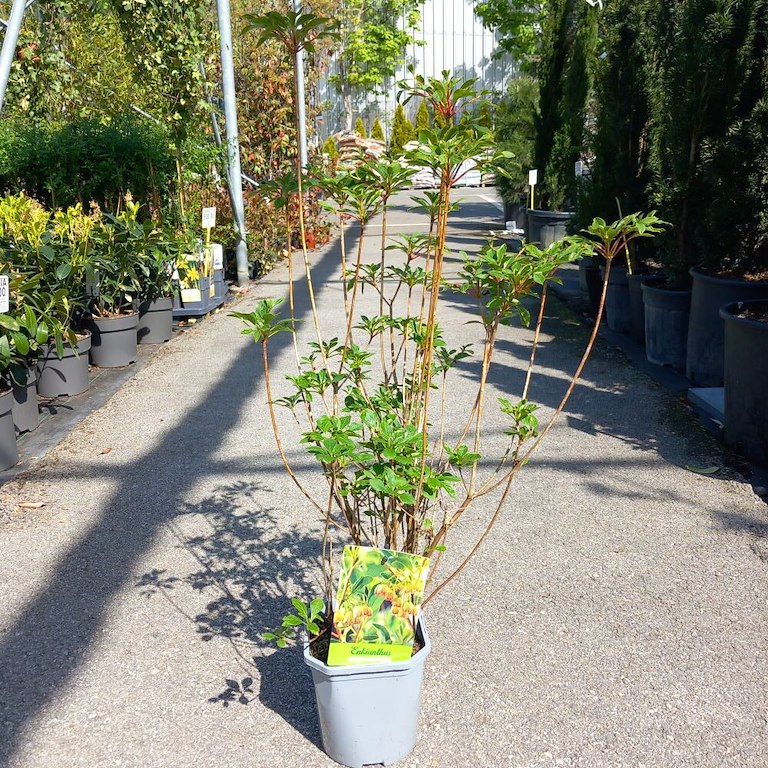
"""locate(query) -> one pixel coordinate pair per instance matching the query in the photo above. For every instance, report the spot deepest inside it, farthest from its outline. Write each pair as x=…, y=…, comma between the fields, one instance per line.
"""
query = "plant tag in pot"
x=217, y=250
x=5, y=296
x=377, y=606
x=92, y=283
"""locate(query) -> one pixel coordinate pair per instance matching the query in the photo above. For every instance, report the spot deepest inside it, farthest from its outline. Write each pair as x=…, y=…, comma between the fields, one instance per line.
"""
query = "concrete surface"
x=617, y=616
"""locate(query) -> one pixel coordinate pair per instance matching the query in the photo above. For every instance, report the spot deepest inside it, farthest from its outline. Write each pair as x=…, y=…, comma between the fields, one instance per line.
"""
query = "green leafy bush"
x=515, y=133
x=83, y=160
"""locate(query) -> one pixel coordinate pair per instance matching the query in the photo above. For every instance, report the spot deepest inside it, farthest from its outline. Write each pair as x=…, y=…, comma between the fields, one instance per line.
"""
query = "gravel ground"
x=617, y=617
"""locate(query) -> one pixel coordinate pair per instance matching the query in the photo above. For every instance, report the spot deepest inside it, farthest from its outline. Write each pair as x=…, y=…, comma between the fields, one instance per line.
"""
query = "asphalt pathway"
x=617, y=617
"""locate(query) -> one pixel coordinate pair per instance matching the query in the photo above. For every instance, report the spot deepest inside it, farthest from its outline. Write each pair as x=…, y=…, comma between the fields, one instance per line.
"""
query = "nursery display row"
x=79, y=287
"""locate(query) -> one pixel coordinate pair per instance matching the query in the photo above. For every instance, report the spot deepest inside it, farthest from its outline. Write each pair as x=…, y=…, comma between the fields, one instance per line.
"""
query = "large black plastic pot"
x=704, y=355
x=26, y=415
x=66, y=376
x=666, y=323
x=155, y=321
x=637, y=306
x=746, y=379
x=546, y=227
x=618, y=314
x=9, y=453
x=113, y=340
x=590, y=282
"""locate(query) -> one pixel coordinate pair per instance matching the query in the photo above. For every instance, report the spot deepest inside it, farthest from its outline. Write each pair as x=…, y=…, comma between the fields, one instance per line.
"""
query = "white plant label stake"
x=209, y=218
x=533, y=180
x=5, y=297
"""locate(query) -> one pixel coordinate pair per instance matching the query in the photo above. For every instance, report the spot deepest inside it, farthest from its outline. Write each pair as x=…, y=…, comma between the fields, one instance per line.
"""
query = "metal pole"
x=233, y=145
x=9, y=45
x=300, y=99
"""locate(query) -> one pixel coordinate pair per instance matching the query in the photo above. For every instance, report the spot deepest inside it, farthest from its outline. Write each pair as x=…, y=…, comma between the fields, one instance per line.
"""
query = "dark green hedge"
x=83, y=160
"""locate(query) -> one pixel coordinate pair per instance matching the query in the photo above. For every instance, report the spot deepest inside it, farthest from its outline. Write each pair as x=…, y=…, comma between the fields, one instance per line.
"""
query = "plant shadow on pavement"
x=46, y=646
x=249, y=567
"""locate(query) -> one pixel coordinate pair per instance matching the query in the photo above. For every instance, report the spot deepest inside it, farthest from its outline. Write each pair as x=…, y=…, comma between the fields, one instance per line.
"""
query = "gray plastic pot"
x=155, y=321
x=666, y=324
x=546, y=227
x=369, y=714
x=9, y=453
x=706, y=336
x=113, y=340
x=26, y=415
x=618, y=313
x=746, y=378
x=66, y=376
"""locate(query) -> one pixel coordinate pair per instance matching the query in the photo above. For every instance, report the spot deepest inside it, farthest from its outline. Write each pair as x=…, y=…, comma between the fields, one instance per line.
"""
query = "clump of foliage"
x=84, y=159
x=517, y=24
x=360, y=128
x=402, y=131
x=371, y=42
x=515, y=133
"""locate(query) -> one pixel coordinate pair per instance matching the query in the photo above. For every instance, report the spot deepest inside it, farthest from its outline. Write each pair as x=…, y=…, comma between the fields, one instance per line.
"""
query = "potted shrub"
x=53, y=253
x=362, y=397
x=120, y=245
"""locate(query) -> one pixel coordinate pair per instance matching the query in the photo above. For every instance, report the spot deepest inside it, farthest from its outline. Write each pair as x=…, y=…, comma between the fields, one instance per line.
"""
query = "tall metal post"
x=233, y=144
x=9, y=45
x=302, y=118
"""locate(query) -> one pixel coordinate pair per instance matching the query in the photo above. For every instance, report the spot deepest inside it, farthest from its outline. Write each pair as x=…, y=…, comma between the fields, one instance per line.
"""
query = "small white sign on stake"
x=5, y=296
x=209, y=217
x=218, y=255
x=533, y=177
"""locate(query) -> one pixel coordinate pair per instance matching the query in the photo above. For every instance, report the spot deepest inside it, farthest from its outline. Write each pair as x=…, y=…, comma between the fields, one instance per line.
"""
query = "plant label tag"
x=209, y=218
x=377, y=605
x=92, y=284
x=217, y=249
x=533, y=177
x=5, y=295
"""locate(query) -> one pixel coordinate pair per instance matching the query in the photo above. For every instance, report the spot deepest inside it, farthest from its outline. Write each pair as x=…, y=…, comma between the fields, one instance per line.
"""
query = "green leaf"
x=703, y=470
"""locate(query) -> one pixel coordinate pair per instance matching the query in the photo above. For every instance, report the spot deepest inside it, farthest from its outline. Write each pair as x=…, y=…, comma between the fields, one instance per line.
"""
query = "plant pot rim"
x=727, y=313
x=711, y=277
x=116, y=316
x=655, y=283
x=553, y=214
x=351, y=670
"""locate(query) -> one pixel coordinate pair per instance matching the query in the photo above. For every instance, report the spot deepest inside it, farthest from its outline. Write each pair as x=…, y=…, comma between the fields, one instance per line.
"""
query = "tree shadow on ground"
x=46, y=646
x=249, y=568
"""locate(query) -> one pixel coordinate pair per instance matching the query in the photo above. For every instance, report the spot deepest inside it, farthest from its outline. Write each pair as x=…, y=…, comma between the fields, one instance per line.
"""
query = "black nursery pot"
x=666, y=324
x=746, y=378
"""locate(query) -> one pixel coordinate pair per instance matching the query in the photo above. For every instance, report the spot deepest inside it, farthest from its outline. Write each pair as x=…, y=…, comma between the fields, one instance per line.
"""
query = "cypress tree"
x=707, y=95
x=567, y=66
x=360, y=128
x=330, y=149
x=422, y=117
x=377, y=132
x=402, y=131
x=619, y=170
